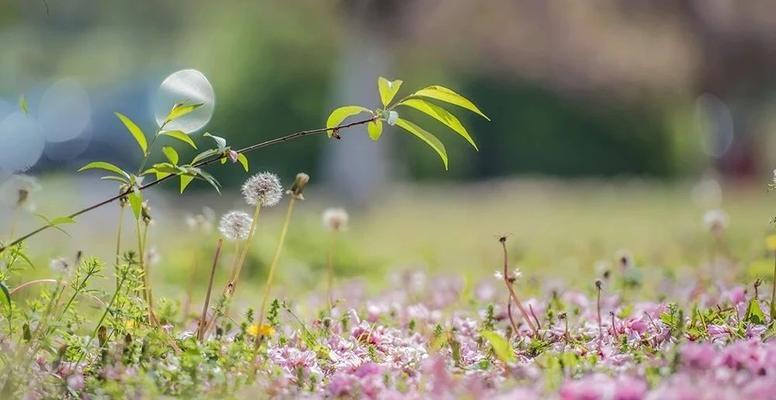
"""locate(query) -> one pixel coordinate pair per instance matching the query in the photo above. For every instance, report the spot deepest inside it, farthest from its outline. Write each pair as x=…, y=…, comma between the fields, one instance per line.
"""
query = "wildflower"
x=298, y=187
x=262, y=190
x=770, y=242
x=260, y=330
x=235, y=225
x=393, y=116
x=716, y=221
x=335, y=219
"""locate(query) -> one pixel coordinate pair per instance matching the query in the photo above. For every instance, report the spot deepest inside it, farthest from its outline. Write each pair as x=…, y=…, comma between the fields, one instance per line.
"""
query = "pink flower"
x=698, y=355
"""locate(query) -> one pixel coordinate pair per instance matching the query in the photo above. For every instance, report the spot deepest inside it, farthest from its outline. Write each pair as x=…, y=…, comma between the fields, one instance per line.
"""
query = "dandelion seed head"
x=59, y=265
x=297, y=188
x=715, y=220
x=18, y=189
x=263, y=190
x=335, y=219
x=235, y=225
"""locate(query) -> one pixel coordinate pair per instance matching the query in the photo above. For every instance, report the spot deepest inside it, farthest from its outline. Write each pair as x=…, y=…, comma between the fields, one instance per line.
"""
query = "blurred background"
x=615, y=123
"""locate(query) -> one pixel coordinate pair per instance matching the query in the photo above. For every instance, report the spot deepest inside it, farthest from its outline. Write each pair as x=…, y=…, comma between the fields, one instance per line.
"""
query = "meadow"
x=416, y=309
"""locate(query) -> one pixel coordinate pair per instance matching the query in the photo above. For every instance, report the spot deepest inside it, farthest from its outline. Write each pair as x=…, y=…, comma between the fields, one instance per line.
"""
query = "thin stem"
x=511, y=289
x=14, y=221
x=275, y=258
x=203, y=317
x=119, y=228
x=244, y=253
x=248, y=149
x=773, y=290
x=598, y=309
x=330, y=269
x=30, y=283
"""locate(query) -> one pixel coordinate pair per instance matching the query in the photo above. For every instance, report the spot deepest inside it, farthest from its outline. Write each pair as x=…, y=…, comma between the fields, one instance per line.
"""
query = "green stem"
x=275, y=258
x=203, y=317
x=330, y=269
x=773, y=290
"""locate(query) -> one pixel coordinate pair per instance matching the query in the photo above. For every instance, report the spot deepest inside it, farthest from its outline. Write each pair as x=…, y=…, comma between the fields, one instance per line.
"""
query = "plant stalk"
x=203, y=318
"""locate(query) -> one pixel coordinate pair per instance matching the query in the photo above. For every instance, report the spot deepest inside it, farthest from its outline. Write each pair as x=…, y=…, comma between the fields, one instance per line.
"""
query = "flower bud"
x=298, y=187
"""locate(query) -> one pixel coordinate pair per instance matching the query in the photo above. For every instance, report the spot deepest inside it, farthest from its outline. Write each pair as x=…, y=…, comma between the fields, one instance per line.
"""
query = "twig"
x=244, y=150
x=203, y=318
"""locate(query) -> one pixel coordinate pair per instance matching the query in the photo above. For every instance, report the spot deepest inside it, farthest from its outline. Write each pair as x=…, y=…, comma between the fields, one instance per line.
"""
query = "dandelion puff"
x=18, y=190
x=263, y=190
x=715, y=220
x=335, y=219
x=235, y=225
x=59, y=265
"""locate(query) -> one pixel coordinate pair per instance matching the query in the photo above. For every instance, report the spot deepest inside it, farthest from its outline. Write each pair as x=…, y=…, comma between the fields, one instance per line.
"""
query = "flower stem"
x=512, y=293
x=203, y=317
x=330, y=269
x=773, y=290
x=275, y=258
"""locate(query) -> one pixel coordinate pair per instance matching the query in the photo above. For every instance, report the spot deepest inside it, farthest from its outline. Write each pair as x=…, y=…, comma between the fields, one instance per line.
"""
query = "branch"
x=244, y=150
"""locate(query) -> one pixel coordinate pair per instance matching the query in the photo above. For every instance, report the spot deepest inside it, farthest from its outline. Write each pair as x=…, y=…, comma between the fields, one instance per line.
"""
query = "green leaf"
x=340, y=114
x=6, y=293
x=136, y=202
x=180, y=135
x=444, y=94
x=425, y=136
x=204, y=155
x=23, y=104
x=209, y=179
x=500, y=346
x=171, y=154
x=441, y=115
x=375, y=129
x=754, y=313
x=136, y=132
x=105, y=166
x=387, y=89
x=185, y=181
x=180, y=110
x=114, y=178
x=220, y=142
x=242, y=159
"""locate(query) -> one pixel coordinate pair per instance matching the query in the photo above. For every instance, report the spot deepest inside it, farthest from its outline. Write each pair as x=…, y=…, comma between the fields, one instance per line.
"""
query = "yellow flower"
x=770, y=242
x=261, y=330
x=129, y=324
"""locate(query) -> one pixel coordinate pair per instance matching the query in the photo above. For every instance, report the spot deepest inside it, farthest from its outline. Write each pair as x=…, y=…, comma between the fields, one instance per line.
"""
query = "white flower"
x=715, y=220
x=18, y=189
x=335, y=219
x=263, y=190
x=235, y=225
x=515, y=275
x=59, y=265
x=393, y=116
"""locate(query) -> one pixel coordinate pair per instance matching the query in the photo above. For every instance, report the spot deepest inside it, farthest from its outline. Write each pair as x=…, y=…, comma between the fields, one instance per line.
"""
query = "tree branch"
x=244, y=150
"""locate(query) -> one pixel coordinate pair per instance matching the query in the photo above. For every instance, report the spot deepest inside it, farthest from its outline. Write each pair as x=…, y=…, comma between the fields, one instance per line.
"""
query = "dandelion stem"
x=275, y=258
x=330, y=269
x=203, y=317
x=207, y=161
x=118, y=238
x=141, y=236
x=773, y=290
